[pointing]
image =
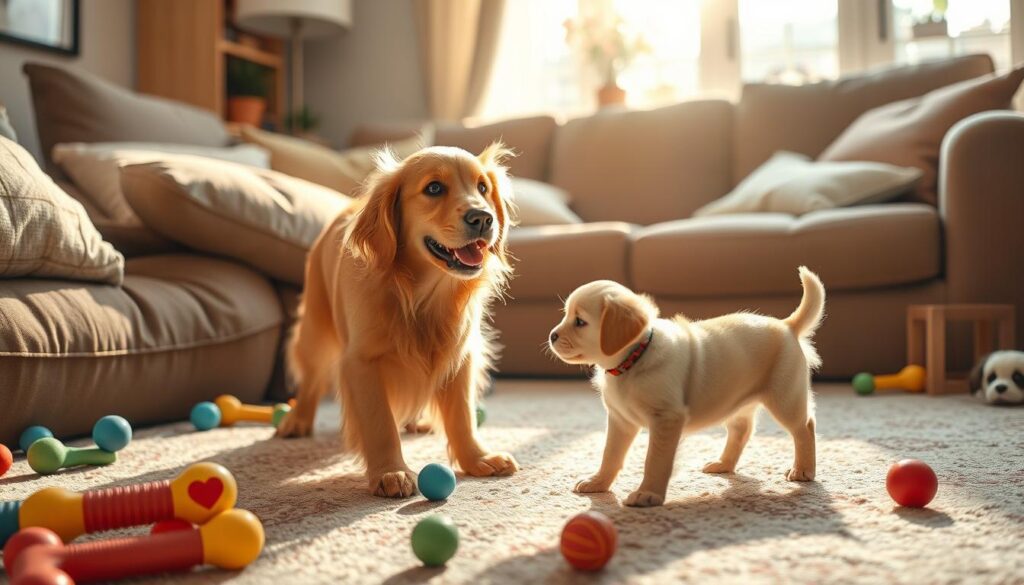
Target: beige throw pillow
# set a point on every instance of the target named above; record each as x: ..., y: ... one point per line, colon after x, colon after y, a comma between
x: 95, y: 168
x: 263, y: 218
x: 342, y: 171
x: 909, y: 133
x: 539, y: 203
x: 43, y: 231
x: 792, y: 183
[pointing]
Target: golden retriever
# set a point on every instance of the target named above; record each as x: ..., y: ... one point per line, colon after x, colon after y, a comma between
x: 675, y: 376
x: 394, y: 308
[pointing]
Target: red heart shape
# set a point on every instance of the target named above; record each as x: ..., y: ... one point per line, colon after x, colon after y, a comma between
x: 206, y: 493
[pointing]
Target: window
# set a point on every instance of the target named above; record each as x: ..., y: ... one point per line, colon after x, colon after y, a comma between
x: 788, y: 41
x: 928, y: 29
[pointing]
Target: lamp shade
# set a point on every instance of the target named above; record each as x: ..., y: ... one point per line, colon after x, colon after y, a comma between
x: 275, y: 17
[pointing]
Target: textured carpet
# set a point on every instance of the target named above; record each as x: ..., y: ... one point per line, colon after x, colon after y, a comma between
x: 752, y: 527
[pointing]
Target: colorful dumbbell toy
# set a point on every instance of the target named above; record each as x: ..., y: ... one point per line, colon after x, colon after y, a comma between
x: 48, y: 455
x: 36, y: 556
x: 232, y: 410
x: 199, y: 493
x: 911, y: 378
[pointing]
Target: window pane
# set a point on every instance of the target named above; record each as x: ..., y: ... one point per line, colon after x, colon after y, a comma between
x: 788, y: 41
x: 929, y: 29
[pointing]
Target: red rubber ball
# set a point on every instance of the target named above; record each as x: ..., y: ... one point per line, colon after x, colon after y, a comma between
x: 911, y: 483
x: 589, y: 541
x: 6, y: 460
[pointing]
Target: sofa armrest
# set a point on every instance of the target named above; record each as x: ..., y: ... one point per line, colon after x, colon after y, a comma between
x: 981, y: 201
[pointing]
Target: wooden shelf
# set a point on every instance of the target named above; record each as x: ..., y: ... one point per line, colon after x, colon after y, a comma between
x: 253, y: 54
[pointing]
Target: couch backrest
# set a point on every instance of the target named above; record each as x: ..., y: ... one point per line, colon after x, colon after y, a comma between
x: 807, y: 118
x: 645, y: 166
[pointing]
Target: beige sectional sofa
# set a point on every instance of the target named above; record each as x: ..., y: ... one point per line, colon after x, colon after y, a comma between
x: 186, y: 326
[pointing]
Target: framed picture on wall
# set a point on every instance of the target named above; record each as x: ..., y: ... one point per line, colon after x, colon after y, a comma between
x: 51, y: 25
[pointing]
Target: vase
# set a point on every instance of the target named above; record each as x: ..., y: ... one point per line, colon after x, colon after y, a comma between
x: 610, y: 94
x: 245, y: 109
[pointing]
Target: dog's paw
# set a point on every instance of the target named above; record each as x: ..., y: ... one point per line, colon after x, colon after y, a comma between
x: 420, y: 427
x: 644, y: 499
x: 593, y: 485
x: 393, y: 484
x: 718, y: 467
x: 490, y: 464
x: 294, y: 425
x: 797, y: 474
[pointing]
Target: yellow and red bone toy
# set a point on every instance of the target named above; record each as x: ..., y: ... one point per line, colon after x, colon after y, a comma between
x: 200, y: 492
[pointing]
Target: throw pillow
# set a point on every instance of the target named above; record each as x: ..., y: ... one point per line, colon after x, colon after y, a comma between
x: 6, y: 130
x: 539, y: 203
x: 43, y: 231
x: 909, y: 133
x: 792, y: 183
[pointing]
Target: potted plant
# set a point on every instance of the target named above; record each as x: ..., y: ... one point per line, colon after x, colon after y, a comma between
x: 247, y: 90
x: 605, y: 42
x: 934, y: 23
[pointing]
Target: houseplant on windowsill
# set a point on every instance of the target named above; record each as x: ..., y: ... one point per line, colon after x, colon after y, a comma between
x: 247, y: 90
x: 609, y: 47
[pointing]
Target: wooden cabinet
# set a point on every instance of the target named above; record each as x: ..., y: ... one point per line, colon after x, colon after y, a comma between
x: 183, y: 50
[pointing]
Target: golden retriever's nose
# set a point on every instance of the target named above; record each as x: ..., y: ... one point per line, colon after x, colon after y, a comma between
x: 479, y: 221
x: 554, y: 337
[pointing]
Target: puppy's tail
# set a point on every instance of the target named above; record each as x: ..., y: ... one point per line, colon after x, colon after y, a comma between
x: 807, y: 317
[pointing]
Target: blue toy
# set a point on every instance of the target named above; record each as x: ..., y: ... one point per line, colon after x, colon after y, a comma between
x: 112, y: 433
x: 205, y: 416
x: 31, y: 435
x: 436, y: 481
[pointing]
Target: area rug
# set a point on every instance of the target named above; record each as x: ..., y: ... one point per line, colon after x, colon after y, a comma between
x: 752, y: 527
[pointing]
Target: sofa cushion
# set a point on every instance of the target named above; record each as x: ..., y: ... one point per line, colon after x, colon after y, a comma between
x: 852, y: 248
x: 539, y: 203
x: 909, y: 133
x: 73, y: 106
x: 806, y: 118
x: 44, y: 233
x: 263, y: 218
x: 6, y: 130
x: 181, y: 329
x: 645, y: 166
x: 553, y: 260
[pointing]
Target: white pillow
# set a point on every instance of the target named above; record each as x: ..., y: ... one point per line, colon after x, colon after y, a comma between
x: 95, y: 168
x: 542, y: 204
x: 43, y: 231
x: 793, y: 183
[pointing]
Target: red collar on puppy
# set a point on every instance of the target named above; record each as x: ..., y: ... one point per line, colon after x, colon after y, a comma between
x: 633, y: 357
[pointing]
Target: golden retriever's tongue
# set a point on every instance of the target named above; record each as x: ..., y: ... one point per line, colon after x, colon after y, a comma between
x: 470, y: 254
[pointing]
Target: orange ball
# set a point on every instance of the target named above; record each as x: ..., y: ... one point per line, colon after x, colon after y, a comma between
x: 6, y: 459
x: 911, y: 483
x: 589, y: 541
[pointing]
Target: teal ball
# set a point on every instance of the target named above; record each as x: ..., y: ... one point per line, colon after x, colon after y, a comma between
x: 31, y: 435
x: 205, y: 416
x: 112, y: 433
x: 435, y: 540
x: 864, y: 383
x: 436, y: 481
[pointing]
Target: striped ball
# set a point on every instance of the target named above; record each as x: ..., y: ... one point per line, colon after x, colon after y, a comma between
x: 589, y: 541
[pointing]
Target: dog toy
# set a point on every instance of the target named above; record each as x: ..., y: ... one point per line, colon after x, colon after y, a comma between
x: 36, y: 556
x: 199, y: 493
x: 481, y: 415
x: 280, y: 410
x: 6, y: 460
x: 436, y: 481
x: 232, y: 410
x: 112, y: 433
x: 999, y: 378
x: 31, y: 435
x: 911, y: 483
x: 589, y: 541
x: 434, y: 540
x: 205, y: 416
x: 910, y: 378
x: 46, y: 456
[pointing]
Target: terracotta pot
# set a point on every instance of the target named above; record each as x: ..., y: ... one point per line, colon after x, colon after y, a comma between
x: 247, y: 110
x: 611, y: 94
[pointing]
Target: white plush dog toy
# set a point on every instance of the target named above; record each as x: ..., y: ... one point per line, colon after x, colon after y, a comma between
x: 999, y: 378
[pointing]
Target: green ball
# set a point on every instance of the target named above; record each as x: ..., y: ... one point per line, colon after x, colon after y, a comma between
x: 435, y: 540
x: 864, y: 383
x: 279, y: 411
x: 481, y: 415
x: 46, y: 455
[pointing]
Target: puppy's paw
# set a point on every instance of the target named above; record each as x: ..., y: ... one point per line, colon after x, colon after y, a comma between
x: 718, y: 467
x: 798, y: 474
x: 295, y: 425
x: 490, y: 464
x: 593, y: 485
x: 420, y: 427
x: 393, y: 484
x: 644, y: 499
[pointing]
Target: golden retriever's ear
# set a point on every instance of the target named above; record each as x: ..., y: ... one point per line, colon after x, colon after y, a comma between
x: 623, y: 319
x: 493, y: 159
x: 377, y: 228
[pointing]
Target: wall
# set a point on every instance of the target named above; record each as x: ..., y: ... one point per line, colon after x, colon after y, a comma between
x: 107, y: 49
x: 370, y: 73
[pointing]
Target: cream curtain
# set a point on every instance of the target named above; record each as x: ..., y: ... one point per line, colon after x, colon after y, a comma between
x: 458, y: 41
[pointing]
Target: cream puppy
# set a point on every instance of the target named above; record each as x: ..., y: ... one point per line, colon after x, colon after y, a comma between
x: 675, y: 376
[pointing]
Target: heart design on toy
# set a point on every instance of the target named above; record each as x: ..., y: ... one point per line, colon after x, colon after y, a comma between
x: 206, y: 493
